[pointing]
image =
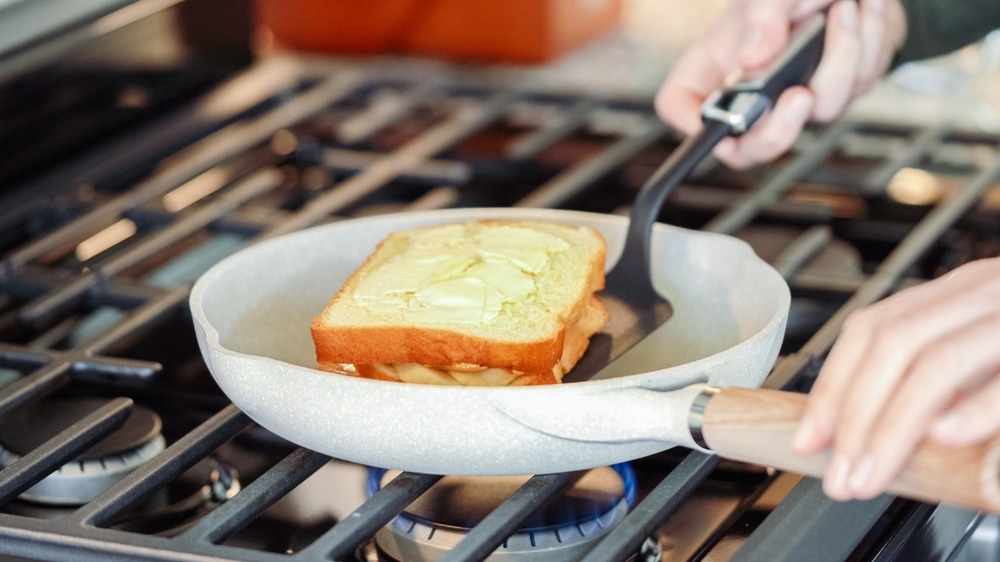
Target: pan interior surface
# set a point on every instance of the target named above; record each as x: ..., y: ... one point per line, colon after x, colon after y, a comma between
x: 253, y: 310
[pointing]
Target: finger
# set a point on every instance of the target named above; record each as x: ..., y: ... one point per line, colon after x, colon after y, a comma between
x: 728, y: 153
x: 872, y: 31
x: 804, y: 8
x: 679, y: 100
x: 895, y: 347
x: 840, y: 370
x: 867, y: 359
x: 680, y: 107
x: 968, y: 294
x: 816, y: 429
x: 765, y: 32
x: 838, y: 375
x: 834, y: 386
x: 701, y: 70
x: 833, y: 81
x: 825, y: 402
x: 774, y: 133
x: 767, y: 26
x: 938, y: 373
x: 974, y: 419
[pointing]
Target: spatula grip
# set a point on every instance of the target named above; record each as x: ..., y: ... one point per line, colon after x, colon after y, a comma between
x: 756, y: 426
x: 742, y: 103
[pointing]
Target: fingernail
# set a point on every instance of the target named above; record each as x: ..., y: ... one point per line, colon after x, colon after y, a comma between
x: 877, y: 5
x: 849, y: 13
x: 803, y: 433
x: 862, y: 473
x: 951, y: 423
x: 840, y: 470
x: 798, y: 109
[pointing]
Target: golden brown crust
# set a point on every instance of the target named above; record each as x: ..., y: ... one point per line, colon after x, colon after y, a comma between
x: 403, y: 344
x: 576, y: 341
x: 532, y: 362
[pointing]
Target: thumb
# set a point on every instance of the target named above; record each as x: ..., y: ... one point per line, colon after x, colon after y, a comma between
x: 764, y: 33
x: 766, y: 28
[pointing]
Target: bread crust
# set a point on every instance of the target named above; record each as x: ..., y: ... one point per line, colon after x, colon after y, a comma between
x: 434, y: 348
x: 389, y: 343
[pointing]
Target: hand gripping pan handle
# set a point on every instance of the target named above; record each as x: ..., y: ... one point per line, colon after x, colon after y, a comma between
x: 756, y: 426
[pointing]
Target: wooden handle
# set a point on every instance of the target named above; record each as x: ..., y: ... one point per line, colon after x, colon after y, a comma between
x: 756, y: 426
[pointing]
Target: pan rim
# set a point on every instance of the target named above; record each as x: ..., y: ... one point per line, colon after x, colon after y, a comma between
x: 212, y: 336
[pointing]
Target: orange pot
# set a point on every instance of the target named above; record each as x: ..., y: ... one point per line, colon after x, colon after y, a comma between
x: 498, y: 30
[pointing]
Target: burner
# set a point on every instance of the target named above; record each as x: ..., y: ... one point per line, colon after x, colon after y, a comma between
x: 563, y: 530
x: 167, y: 511
x: 94, y: 470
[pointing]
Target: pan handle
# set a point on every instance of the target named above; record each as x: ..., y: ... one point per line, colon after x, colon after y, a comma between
x: 755, y: 425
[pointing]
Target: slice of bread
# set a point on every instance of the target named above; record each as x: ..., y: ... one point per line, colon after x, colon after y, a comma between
x: 511, y: 295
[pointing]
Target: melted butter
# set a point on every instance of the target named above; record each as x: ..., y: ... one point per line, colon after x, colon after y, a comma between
x: 458, y: 275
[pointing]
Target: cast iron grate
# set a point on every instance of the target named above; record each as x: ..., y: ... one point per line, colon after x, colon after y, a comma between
x: 357, y: 143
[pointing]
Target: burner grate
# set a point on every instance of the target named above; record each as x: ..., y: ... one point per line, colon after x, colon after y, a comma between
x: 321, y: 155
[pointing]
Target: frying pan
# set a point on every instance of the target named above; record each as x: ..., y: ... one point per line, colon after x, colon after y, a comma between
x: 252, y: 313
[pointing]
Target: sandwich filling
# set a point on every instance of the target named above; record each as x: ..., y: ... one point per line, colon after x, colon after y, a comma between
x: 577, y: 337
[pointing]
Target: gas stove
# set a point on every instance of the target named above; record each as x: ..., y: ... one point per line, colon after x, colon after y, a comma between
x: 115, y: 442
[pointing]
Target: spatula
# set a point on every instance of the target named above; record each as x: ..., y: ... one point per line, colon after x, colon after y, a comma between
x: 636, y: 308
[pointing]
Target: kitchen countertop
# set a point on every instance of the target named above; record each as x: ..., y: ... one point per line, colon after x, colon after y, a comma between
x: 960, y: 90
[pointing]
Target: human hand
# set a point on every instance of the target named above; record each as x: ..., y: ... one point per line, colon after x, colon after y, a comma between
x: 924, y: 362
x: 861, y: 40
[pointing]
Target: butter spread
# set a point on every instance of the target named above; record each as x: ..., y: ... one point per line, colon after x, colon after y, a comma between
x: 456, y: 274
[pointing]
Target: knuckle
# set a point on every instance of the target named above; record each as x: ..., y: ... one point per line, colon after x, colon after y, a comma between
x: 851, y: 437
x: 861, y: 322
x: 863, y: 85
x: 820, y: 389
x: 769, y: 144
x: 776, y: 141
x: 826, y: 110
x: 932, y: 362
x: 662, y: 103
x: 737, y: 162
x: 737, y: 159
x: 885, y: 341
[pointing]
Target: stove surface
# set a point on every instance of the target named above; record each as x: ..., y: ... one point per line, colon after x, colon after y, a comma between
x: 100, y: 251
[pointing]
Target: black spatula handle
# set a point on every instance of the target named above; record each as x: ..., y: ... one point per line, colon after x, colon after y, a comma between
x: 730, y: 111
x: 740, y: 104
x: 630, y: 277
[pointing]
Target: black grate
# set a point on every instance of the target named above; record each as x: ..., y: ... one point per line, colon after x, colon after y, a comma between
x: 96, y: 274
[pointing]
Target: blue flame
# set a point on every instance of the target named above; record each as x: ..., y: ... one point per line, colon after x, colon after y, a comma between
x: 624, y: 470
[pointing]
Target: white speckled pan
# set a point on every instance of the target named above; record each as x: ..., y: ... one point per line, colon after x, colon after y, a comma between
x: 252, y: 313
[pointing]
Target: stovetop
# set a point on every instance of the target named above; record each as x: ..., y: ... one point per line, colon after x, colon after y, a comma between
x: 100, y: 251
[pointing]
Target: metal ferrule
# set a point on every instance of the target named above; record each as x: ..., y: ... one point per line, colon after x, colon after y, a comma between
x: 735, y: 107
x: 696, y: 416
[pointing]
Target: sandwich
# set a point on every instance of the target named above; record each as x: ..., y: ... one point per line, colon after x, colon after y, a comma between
x: 477, y: 303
